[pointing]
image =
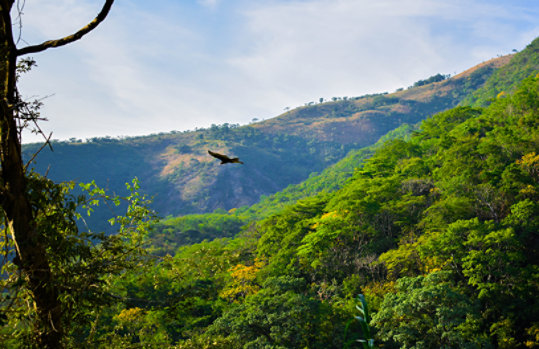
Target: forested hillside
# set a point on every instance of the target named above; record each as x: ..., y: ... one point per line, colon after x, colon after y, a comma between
x: 329, y: 180
x: 439, y: 232
x: 177, y: 171
x: 173, y: 233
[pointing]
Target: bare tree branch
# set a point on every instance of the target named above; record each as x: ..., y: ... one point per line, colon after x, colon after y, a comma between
x: 69, y: 39
x: 20, y: 8
x: 47, y: 142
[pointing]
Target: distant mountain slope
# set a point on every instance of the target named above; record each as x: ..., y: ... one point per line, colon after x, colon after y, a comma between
x: 329, y: 180
x: 506, y: 79
x: 177, y: 171
x: 362, y: 120
x: 505, y: 74
x: 173, y: 232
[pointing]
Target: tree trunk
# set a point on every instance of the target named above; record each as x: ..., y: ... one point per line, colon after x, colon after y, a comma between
x: 31, y: 255
x: 15, y: 198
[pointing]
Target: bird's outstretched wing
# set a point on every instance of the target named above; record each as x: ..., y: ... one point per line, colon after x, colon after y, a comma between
x: 224, y: 159
x: 221, y: 157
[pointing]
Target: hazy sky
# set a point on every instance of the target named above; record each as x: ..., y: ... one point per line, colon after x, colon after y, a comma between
x: 163, y: 65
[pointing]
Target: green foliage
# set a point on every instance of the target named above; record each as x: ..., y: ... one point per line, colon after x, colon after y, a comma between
x: 278, y: 316
x: 330, y: 180
x: 175, y: 299
x: 428, y: 312
x: 432, y: 79
x: 169, y: 234
x: 82, y: 263
x: 364, y: 319
x: 449, y: 213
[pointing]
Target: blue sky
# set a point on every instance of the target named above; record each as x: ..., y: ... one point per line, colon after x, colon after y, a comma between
x: 163, y: 65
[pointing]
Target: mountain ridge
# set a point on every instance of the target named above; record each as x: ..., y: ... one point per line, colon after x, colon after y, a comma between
x: 277, y: 152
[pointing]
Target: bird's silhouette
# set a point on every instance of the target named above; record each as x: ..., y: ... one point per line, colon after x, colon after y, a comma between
x: 225, y: 159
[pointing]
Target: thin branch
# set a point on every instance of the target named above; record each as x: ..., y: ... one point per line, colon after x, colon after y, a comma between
x: 20, y: 8
x: 47, y: 142
x: 69, y: 39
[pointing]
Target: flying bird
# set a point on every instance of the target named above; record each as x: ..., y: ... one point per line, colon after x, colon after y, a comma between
x: 225, y: 159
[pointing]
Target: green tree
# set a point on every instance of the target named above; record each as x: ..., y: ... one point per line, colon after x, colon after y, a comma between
x: 82, y: 264
x: 280, y: 315
x: 428, y: 312
x: 24, y: 222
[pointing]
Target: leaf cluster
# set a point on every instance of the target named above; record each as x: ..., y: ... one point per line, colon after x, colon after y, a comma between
x: 82, y: 262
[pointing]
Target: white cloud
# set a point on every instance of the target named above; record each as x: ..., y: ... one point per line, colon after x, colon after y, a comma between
x: 345, y: 47
x: 211, y: 4
x: 164, y: 66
